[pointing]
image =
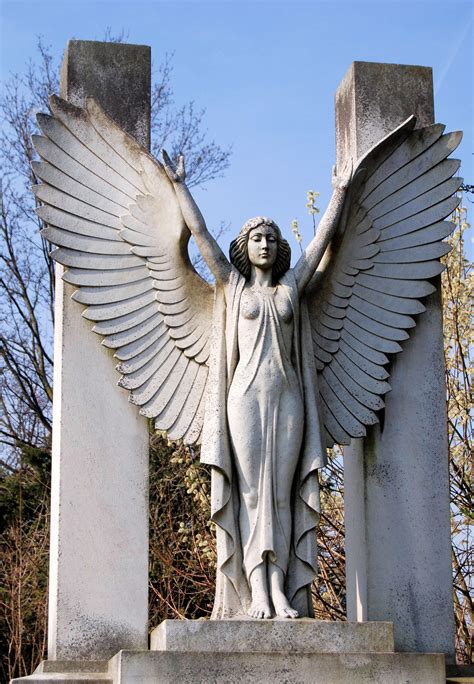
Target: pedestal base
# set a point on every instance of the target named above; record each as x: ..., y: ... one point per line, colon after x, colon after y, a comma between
x: 307, y: 668
x: 251, y: 651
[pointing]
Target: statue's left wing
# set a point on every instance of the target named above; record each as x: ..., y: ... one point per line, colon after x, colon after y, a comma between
x: 381, y: 262
x: 113, y: 213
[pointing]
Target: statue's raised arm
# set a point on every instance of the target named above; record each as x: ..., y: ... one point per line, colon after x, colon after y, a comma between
x: 330, y: 222
x: 206, y: 243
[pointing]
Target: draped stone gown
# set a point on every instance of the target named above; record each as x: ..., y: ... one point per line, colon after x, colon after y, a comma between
x: 262, y: 416
x: 265, y: 414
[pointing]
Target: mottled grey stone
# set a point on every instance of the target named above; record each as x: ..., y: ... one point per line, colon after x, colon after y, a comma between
x: 98, y: 583
x: 117, y: 76
x: 272, y: 636
x: 302, y: 668
x: 71, y: 671
x: 374, y: 98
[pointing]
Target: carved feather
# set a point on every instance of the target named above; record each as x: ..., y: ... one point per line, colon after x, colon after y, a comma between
x: 112, y: 212
x: 363, y: 306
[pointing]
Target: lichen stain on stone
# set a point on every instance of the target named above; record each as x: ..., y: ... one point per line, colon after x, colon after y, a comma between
x: 98, y: 639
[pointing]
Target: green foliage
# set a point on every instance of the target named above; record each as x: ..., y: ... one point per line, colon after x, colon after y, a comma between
x: 24, y: 537
x: 21, y: 489
x: 182, y: 545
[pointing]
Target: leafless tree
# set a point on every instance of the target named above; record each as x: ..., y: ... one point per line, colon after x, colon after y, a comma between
x: 457, y: 289
x: 27, y: 273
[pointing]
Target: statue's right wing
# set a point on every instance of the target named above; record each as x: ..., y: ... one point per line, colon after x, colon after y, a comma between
x: 114, y: 215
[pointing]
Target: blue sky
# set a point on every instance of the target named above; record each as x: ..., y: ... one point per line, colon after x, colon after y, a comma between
x: 267, y: 73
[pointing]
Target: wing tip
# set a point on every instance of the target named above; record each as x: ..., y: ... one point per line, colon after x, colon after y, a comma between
x: 59, y: 105
x: 43, y: 118
x: 455, y: 138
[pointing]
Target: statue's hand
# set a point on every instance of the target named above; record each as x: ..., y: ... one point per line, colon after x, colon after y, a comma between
x: 343, y: 180
x: 176, y: 174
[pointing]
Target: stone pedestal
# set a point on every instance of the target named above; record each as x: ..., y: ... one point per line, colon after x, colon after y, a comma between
x: 248, y: 651
x: 272, y: 636
x: 303, y: 651
x: 396, y: 481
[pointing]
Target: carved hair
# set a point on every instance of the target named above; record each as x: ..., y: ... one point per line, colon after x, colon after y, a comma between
x: 239, y: 255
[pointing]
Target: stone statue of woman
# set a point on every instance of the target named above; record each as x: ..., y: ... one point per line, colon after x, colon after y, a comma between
x: 264, y: 421
x: 273, y: 364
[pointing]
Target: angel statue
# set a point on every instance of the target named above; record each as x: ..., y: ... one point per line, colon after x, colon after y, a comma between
x: 273, y: 364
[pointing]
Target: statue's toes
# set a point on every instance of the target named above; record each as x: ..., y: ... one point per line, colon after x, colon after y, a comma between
x: 287, y: 613
x: 264, y: 614
x: 259, y: 613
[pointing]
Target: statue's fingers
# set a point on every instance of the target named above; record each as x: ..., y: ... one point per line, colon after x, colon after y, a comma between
x: 166, y: 158
x: 169, y: 168
x: 181, y: 171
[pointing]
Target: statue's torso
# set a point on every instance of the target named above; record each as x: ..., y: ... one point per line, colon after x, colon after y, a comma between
x: 265, y: 338
x: 265, y: 417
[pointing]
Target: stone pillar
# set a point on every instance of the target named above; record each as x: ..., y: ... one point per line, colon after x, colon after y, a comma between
x: 98, y: 582
x: 398, y: 546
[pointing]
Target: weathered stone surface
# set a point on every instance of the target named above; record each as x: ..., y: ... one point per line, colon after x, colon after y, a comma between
x: 72, y: 672
x: 117, y: 75
x: 303, y: 635
x: 398, y: 556
x: 129, y: 667
x: 373, y: 99
x: 311, y: 668
x: 68, y: 677
x: 99, y: 508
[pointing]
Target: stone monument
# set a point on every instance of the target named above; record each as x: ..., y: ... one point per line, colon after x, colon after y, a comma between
x: 100, y: 442
x: 396, y: 481
x: 265, y: 370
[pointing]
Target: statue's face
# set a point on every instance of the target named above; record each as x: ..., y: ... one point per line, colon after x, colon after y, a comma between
x: 262, y: 246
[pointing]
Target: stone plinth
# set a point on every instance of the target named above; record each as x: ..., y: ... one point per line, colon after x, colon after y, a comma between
x: 290, y: 668
x: 273, y: 636
x: 288, y: 651
x: 291, y: 651
x: 73, y: 672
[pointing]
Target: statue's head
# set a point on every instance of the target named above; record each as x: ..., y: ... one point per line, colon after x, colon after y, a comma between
x: 260, y: 243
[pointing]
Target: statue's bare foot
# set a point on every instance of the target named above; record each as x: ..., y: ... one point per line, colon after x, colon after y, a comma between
x: 260, y: 609
x: 282, y: 606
